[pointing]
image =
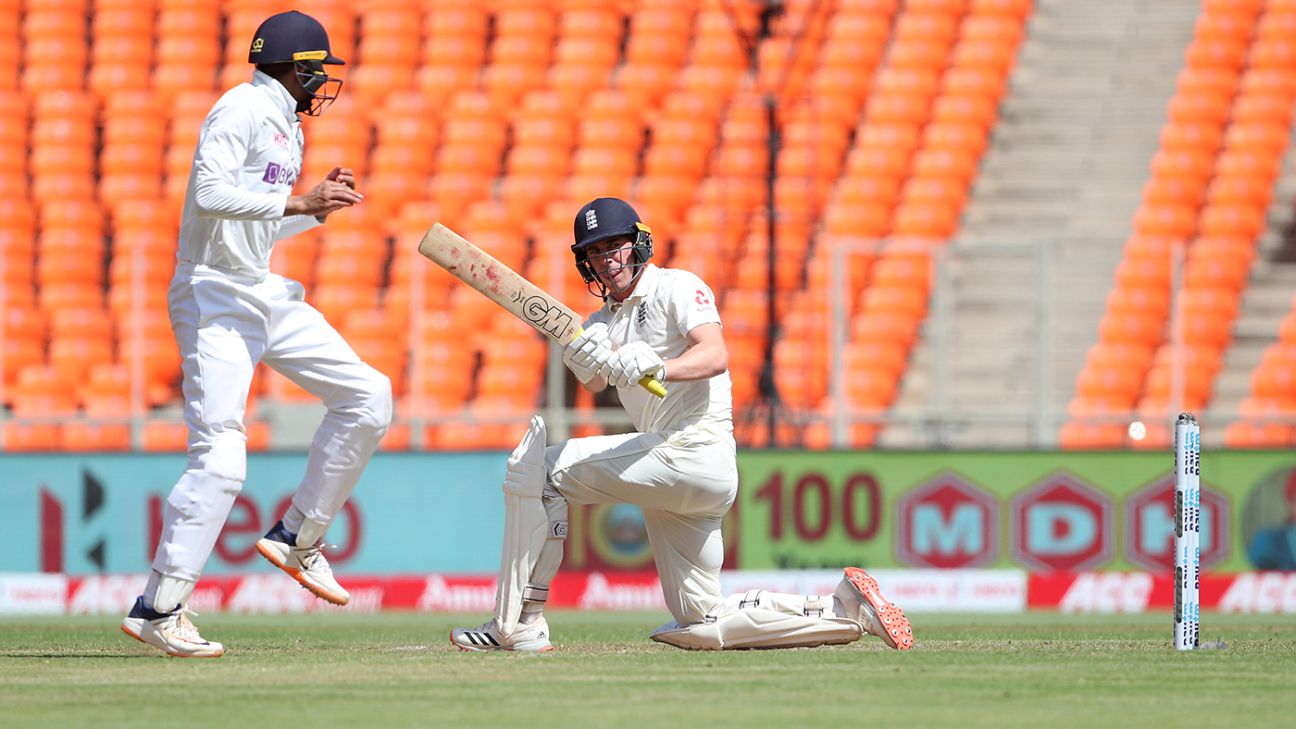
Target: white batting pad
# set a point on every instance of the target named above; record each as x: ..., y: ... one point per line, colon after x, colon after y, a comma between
x: 526, y: 523
x: 759, y: 628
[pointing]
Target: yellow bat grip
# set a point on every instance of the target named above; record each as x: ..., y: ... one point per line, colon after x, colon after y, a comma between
x: 647, y: 382
x: 652, y: 385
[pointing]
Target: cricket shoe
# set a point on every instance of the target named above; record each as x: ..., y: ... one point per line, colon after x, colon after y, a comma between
x: 306, y: 564
x: 171, y: 633
x: 531, y: 637
x: 861, y: 600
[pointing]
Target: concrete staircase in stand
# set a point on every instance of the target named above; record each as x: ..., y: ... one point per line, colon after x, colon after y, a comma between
x: 1064, y: 172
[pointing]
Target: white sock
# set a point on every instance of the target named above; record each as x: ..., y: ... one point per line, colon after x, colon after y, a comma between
x: 165, y: 594
x: 531, y: 612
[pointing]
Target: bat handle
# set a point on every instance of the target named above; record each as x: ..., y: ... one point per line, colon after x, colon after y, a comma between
x: 650, y: 384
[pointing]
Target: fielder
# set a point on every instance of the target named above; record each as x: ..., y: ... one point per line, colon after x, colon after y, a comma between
x: 229, y: 312
x: 679, y: 467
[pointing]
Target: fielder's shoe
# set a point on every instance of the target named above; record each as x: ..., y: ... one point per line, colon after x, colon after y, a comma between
x: 861, y: 600
x: 306, y: 564
x: 533, y: 637
x: 171, y: 633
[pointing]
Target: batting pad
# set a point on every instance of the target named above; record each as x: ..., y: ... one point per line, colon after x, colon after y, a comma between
x: 526, y: 523
x: 759, y: 628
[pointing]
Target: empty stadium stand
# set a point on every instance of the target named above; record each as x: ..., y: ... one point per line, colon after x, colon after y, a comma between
x: 909, y: 132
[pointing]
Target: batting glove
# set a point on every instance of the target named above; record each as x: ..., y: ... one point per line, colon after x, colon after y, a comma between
x: 632, y: 362
x: 589, y: 353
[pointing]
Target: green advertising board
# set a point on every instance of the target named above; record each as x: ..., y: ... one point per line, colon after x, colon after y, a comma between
x: 1039, y: 510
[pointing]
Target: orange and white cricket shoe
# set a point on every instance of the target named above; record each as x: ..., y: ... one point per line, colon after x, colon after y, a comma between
x: 529, y: 637
x: 305, y: 564
x: 861, y: 600
x: 171, y: 633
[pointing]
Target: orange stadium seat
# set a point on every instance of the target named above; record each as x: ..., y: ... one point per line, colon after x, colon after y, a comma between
x: 466, y: 50
x: 19, y: 437
x: 871, y: 387
x: 83, y: 436
x: 1229, y: 53
x: 1267, y: 82
x: 23, y: 324
x: 164, y: 436
x: 1090, y: 436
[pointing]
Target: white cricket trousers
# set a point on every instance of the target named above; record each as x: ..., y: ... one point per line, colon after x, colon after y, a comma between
x: 224, y: 326
x: 684, y: 482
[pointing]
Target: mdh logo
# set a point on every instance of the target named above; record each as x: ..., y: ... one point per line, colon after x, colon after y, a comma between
x: 948, y: 522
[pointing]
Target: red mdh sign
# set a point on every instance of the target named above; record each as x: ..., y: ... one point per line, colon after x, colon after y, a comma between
x: 1061, y: 523
x: 1150, y: 525
x: 947, y: 522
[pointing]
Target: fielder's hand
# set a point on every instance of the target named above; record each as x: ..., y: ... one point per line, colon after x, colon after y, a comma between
x: 344, y: 175
x: 337, y: 191
x: 589, y: 353
x: 632, y: 362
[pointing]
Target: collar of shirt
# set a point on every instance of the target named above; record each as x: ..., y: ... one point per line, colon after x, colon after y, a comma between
x: 644, y: 287
x: 277, y: 93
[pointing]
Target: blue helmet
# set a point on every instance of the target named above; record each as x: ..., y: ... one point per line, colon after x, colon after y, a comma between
x: 297, y: 38
x: 602, y: 219
x: 289, y: 37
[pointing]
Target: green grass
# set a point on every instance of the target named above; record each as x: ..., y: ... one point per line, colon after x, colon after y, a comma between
x: 1040, y: 670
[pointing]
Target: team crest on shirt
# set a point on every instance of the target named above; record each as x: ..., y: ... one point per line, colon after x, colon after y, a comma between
x: 641, y: 315
x: 281, y: 139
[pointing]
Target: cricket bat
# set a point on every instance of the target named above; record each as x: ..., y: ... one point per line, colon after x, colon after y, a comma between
x: 508, y: 288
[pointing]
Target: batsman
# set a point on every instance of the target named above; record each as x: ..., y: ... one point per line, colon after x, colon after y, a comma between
x: 679, y: 468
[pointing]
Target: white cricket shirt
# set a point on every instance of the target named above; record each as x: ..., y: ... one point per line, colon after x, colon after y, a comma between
x: 249, y: 155
x: 667, y: 303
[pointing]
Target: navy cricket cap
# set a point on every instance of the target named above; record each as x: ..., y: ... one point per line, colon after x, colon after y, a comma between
x: 291, y: 36
x: 606, y: 217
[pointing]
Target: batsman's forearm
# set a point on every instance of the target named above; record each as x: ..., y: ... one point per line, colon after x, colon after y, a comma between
x: 700, y: 362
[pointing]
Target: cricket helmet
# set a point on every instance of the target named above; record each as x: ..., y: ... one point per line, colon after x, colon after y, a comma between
x: 297, y: 38
x: 603, y: 219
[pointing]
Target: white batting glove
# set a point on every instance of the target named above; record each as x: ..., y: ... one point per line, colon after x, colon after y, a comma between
x: 589, y: 353
x: 630, y: 363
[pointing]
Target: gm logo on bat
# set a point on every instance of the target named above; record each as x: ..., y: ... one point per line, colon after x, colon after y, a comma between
x: 543, y: 316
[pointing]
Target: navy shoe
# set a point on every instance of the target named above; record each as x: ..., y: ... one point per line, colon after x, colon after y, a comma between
x: 278, y: 533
